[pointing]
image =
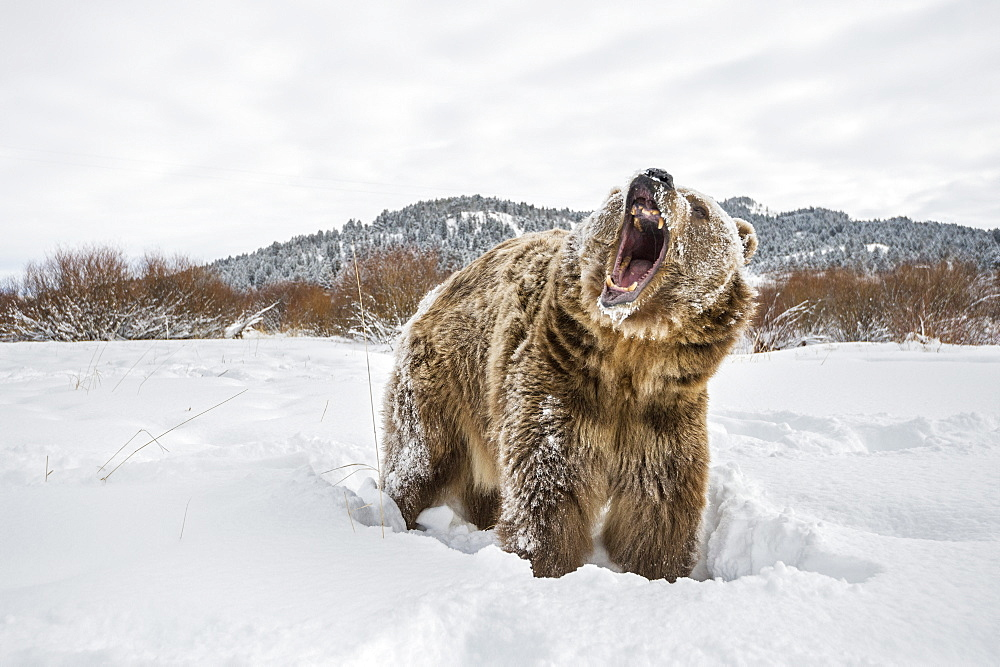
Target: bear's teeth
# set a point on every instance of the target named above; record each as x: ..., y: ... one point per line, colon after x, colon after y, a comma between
x: 633, y: 209
x: 625, y: 263
x: 636, y: 223
x: 631, y: 288
x: 659, y: 225
x: 608, y: 281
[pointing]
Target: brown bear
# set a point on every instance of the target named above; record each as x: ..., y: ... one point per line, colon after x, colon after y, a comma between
x: 563, y: 373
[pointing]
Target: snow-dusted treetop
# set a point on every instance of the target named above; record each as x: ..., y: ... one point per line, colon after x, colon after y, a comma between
x: 460, y: 229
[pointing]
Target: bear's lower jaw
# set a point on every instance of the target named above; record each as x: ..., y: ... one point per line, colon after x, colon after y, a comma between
x: 642, y: 245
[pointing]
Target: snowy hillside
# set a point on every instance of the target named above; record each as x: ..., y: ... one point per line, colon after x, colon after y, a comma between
x: 854, y: 517
x: 818, y: 238
x: 460, y: 229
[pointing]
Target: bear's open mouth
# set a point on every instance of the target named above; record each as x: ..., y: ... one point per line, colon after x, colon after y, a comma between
x: 642, y: 246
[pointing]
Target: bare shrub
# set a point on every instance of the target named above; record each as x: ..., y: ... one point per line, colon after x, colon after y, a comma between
x: 96, y: 294
x: 9, y: 304
x: 777, y: 325
x: 177, y: 299
x: 393, y: 282
x: 301, y: 308
x: 951, y: 302
x: 854, y: 307
x: 73, y: 296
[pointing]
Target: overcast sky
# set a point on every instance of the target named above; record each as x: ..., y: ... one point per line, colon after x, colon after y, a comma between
x: 212, y: 128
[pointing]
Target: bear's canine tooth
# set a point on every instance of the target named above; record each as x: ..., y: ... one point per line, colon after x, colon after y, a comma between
x: 608, y: 281
x: 633, y: 209
x: 659, y: 225
x: 636, y: 223
x: 631, y: 288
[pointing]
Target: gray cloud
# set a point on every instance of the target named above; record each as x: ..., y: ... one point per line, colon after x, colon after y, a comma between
x: 215, y: 128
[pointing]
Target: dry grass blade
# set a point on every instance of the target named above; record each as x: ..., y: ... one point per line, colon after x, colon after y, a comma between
x: 141, y: 430
x: 184, y: 521
x: 156, y: 438
x: 371, y: 396
x: 349, y: 465
x: 118, y: 384
x: 88, y: 379
x: 347, y: 506
x: 344, y: 479
x: 159, y: 367
x: 360, y: 467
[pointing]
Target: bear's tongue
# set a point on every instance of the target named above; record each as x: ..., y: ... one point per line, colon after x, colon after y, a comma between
x: 638, y: 252
x: 642, y: 245
x: 635, y: 271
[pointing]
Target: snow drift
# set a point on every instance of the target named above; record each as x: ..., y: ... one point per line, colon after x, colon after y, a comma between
x: 853, y: 517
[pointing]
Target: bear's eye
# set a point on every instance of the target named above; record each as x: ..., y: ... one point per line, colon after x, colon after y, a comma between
x: 699, y: 211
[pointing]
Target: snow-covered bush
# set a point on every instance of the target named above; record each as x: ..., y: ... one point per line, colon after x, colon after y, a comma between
x: 96, y: 293
x: 951, y: 302
x: 777, y: 328
x: 298, y: 308
x: 392, y: 282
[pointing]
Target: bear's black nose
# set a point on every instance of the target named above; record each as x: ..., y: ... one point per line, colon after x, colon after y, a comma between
x: 661, y: 176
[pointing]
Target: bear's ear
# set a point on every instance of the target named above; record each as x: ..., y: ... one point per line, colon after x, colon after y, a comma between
x: 749, y: 238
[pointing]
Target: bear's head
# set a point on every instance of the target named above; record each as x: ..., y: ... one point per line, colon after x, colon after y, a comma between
x: 660, y: 261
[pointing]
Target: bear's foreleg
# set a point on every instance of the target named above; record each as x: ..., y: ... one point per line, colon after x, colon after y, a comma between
x: 547, y: 494
x: 481, y: 506
x: 652, y: 529
x: 420, y: 455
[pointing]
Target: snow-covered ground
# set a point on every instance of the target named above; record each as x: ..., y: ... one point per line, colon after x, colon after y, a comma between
x: 854, y: 517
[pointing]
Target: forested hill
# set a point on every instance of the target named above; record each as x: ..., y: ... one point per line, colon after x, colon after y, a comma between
x: 460, y: 229
x: 818, y: 238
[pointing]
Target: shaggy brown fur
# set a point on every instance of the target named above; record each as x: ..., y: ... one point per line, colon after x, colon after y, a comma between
x: 534, y: 388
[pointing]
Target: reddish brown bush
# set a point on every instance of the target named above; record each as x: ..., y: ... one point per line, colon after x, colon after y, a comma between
x: 954, y: 303
x: 392, y: 283
x: 8, y: 305
x: 96, y: 294
x: 301, y: 308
